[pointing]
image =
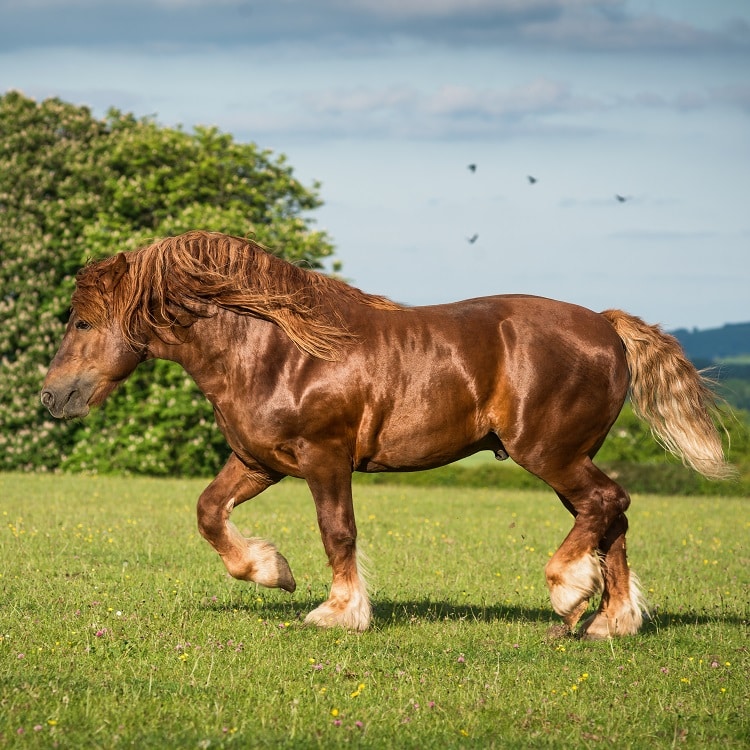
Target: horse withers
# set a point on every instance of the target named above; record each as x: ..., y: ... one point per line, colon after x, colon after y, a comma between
x: 312, y: 378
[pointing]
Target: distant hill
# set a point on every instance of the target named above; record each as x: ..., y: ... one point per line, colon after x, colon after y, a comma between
x: 730, y: 342
x: 725, y: 353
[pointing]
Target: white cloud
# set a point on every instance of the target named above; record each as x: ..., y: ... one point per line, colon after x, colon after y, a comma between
x: 733, y: 96
x: 539, y: 97
x: 447, y: 112
x: 361, y: 100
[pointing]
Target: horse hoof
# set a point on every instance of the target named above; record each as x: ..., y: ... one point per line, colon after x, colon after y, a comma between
x: 286, y: 580
x: 594, y: 637
x: 601, y: 627
x: 283, y: 578
x: 328, y: 616
x: 557, y: 632
x: 596, y: 628
x: 262, y: 563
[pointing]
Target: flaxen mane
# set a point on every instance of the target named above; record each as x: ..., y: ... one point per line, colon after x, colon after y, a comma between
x: 173, y: 282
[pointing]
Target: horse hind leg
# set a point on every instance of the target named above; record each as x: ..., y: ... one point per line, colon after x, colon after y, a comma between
x: 622, y: 605
x: 246, y: 559
x: 591, y: 559
x: 574, y: 577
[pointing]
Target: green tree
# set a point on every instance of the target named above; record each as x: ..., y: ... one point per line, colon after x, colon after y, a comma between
x: 74, y: 188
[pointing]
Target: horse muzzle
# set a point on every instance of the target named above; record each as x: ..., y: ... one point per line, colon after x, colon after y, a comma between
x: 65, y: 403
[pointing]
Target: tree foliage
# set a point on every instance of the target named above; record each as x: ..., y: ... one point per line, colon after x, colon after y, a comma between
x: 74, y: 188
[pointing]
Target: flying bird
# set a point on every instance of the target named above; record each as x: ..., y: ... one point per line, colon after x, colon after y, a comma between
x: 531, y: 179
x: 473, y: 238
x: 472, y: 168
x: 621, y: 198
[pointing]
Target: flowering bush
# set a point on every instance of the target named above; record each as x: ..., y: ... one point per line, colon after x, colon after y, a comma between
x: 73, y: 188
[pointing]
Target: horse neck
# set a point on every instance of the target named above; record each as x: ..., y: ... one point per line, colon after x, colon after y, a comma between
x: 216, y: 345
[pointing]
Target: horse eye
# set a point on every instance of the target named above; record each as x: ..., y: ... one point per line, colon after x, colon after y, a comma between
x: 82, y: 325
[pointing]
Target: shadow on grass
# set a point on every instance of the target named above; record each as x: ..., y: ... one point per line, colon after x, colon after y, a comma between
x: 392, y: 612
x: 663, y: 620
x: 397, y: 612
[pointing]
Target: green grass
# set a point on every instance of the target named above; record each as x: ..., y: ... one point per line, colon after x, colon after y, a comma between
x: 120, y: 628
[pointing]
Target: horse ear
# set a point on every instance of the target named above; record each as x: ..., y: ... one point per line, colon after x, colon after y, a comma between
x: 114, y: 273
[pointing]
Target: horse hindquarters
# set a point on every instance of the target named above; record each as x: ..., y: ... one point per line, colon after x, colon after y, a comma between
x: 566, y: 387
x: 677, y: 403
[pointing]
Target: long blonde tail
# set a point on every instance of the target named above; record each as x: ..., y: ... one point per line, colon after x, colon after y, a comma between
x: 671, y: 396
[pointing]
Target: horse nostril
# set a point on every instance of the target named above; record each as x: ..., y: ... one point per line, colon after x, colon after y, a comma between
x: 48, y: 399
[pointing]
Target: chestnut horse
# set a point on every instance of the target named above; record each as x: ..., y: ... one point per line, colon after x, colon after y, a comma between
x: 312, y: 378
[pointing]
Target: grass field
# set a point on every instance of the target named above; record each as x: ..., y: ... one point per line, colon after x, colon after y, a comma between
x: 120, y: 628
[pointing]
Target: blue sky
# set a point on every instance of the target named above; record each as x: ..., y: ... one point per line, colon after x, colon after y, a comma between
x: 386, y: 102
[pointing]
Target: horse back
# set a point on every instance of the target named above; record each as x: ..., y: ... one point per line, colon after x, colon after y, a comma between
x: 443, y: 381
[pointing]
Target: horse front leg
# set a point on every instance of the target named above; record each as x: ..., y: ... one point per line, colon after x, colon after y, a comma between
x: 251, y: 559
x: 348, y: 604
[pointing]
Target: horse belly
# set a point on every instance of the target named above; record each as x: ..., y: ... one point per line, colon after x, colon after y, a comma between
x: 416, y: 435
x: 423, y: 457
x: 428, y: 388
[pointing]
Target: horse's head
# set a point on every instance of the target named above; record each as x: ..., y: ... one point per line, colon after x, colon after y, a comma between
x: 94, y: 356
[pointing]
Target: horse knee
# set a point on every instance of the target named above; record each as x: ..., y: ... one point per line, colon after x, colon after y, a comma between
x: 212, y: 516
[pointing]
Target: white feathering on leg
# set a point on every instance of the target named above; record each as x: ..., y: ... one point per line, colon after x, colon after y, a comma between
x: 348, y: 605
x: 575, y: 583
x: 625, y: 621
